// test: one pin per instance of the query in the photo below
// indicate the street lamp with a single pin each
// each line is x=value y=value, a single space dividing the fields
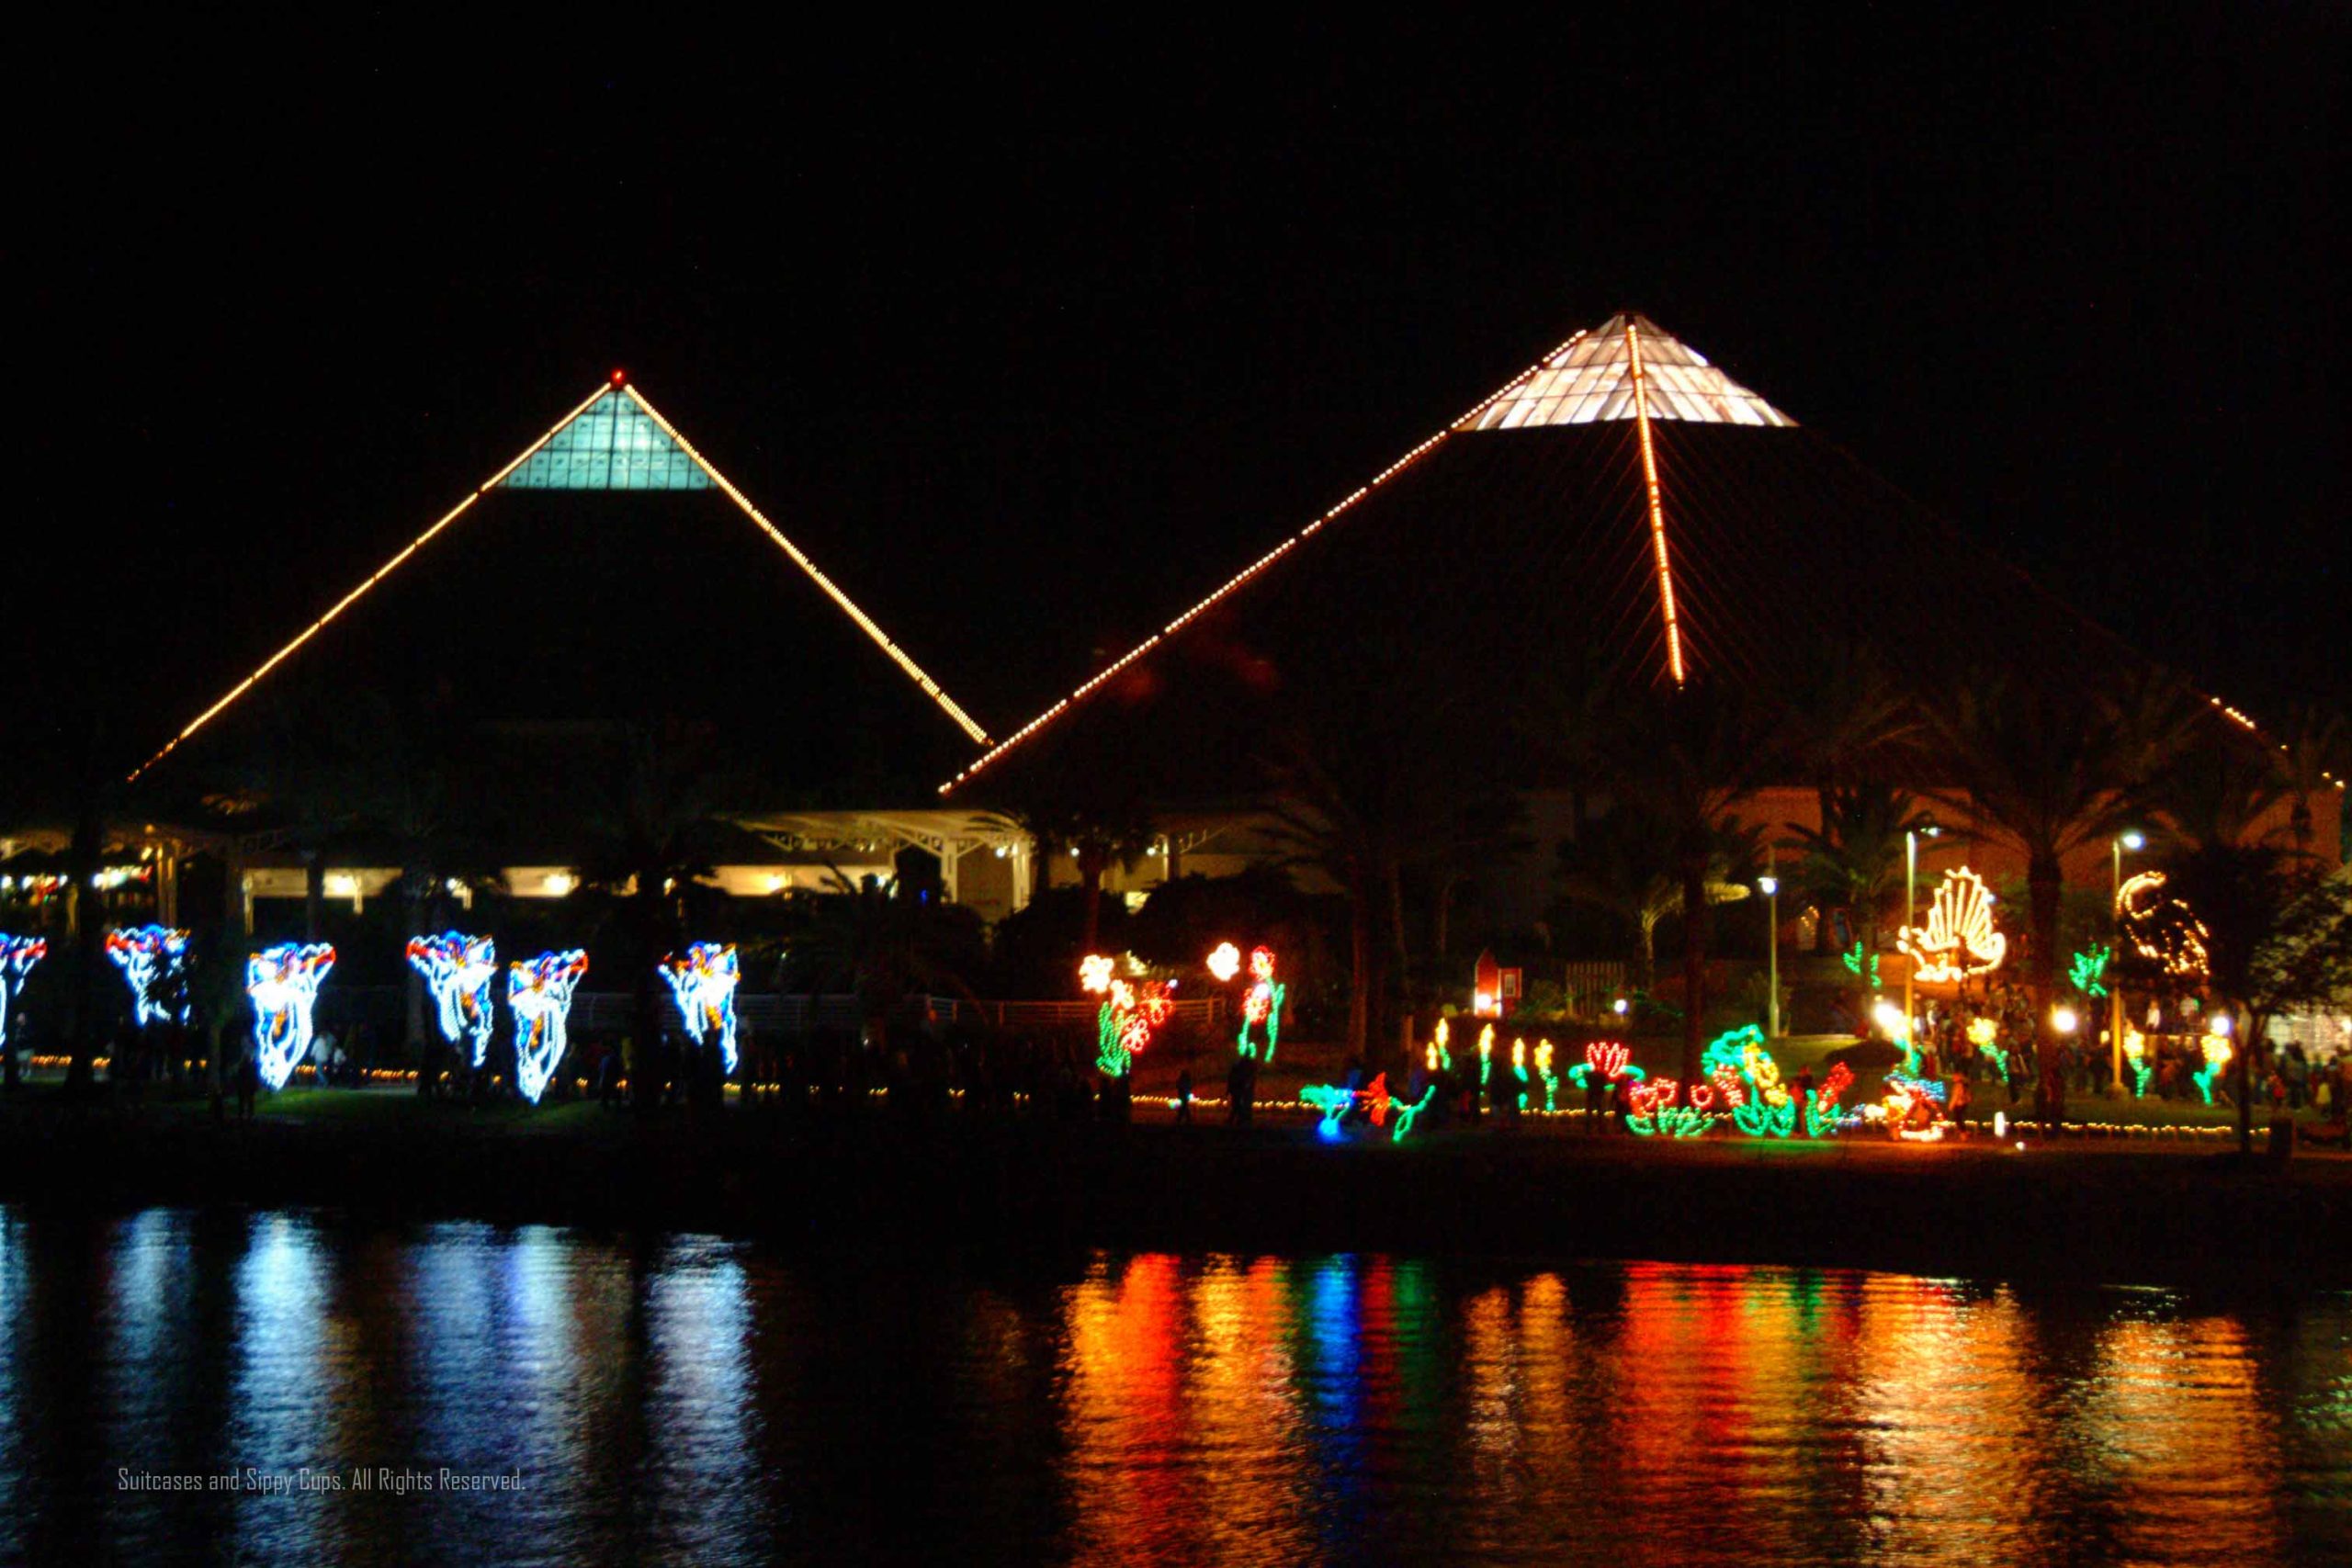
x=1911 y=905
x=2133 y=840
x=1771 y=886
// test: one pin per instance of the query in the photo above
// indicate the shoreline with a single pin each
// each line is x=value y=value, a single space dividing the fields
x=880 y=1180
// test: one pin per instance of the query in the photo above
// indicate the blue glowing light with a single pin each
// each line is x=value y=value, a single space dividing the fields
x=538 y=993
x=18 y=955
x=703 y=982
x=283 y=984
x=1333 y=1100
x=153 y=961
x=457 y=971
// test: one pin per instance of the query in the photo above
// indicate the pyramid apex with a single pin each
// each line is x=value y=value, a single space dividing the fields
x=1590 y=380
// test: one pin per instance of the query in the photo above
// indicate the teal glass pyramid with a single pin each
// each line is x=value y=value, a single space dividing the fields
x=615 y=445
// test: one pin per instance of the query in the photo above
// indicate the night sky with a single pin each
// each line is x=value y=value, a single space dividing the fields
x=1030 y=339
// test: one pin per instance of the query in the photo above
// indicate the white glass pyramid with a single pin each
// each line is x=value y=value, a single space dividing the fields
x=1591 y=380
x=615 y=445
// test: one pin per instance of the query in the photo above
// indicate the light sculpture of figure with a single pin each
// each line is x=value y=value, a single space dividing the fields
x=538 y=993
x=153 y=961
x=283 y=983
x=18 y=955
x=457 y=971
x=1915 y=1106
x=1262 y=1004
x=1958 y=941
x=703 y=980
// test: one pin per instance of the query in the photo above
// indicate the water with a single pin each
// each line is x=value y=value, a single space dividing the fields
x=689 y=1399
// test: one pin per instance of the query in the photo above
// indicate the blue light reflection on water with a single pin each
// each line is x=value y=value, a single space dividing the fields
x=693 y=1400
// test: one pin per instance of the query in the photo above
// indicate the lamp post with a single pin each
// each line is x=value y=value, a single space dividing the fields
x=1911 y=909
x=2130 y=839
x=1771 y=886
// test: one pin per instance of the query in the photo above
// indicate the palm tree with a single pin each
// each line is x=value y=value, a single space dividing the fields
x=1623 y=865
x=2047 y=767
x=1852 y=859
x=652 y=834
x=1845 y=715
x=883 y=945
x=2317 y=752
x=1686 y=758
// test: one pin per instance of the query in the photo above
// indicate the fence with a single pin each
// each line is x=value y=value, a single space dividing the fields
x=385 y=1009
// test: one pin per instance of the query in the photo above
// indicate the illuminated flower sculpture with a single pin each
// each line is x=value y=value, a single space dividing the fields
x=539 y=995
x=2217 y=1051
x=1374 y=1099
x=2088 y=972
x=1748 y=1082
x=2135 y=1051
x=1653 y=1110
x=1958 y=941
x=18 y=955
x=1128 y=1016
x=1823 y=1115
x=703 y=980
x=457 y=971
x=2162 y=928
x=283 y=984
x=1606 y=1059
x=153 y=961
x=1225 y=962
x=1262 y=1004
x=1435 y=1054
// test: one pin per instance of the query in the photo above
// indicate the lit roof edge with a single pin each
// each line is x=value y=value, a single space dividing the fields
x=1095 y=682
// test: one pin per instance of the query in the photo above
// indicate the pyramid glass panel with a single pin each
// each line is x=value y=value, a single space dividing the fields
x=1591 y=380
x=615 y=445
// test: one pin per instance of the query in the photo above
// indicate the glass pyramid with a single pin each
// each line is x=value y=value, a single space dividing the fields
x=615 y=445
x=1591 y=380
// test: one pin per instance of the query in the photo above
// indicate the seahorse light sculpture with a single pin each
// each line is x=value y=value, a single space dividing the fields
x=2162 y=926
x=1959 y=941
x=153 y=961
x=457 y=971
x=283 y=984
x=18 y=955
x=703 y=981
x=538 y=993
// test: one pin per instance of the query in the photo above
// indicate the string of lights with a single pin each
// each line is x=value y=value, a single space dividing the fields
x=1250 y=572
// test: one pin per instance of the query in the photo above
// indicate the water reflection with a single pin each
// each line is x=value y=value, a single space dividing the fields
x=692 y=1400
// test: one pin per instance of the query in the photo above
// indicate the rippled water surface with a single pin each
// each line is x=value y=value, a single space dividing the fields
x=696 y=1400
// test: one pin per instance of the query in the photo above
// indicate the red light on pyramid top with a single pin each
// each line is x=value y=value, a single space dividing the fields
x=620 y=377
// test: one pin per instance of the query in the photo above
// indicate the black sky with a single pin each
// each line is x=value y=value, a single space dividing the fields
x=1032 y=339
